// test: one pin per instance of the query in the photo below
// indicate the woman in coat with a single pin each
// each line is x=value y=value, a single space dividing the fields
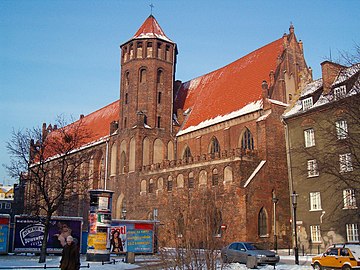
x=70 y=259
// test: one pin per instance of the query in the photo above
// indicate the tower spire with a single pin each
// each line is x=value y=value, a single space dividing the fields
x=151 y=9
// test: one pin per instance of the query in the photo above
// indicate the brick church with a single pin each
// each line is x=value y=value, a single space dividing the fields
x=208 y=155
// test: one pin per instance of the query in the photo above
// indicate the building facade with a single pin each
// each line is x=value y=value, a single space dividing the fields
x=207 y=154
x=323 y=131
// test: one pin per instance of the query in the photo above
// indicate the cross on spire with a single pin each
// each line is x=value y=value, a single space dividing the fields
x=151 y=8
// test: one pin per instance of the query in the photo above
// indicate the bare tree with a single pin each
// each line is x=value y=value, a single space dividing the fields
x=195 y=233
x=52 y=167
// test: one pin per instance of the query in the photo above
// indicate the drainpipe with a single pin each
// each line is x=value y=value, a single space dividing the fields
x=106 y=162
x=321 y=217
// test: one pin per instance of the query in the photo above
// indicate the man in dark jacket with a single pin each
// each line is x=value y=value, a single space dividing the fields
x=70 y=259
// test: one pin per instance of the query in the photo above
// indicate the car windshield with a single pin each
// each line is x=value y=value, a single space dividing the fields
x=250 y=246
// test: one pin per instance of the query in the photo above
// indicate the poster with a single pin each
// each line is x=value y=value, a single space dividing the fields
x=4 y=233
x=29 y=233
x=137 y=237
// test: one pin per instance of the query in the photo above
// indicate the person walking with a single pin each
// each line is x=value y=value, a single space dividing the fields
x=70 y=259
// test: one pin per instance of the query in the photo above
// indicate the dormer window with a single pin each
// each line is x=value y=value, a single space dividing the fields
x=339 y=92
x=307 y=103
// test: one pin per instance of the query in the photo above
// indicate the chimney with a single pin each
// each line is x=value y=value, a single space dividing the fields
x=329 y=72
x=81 y=116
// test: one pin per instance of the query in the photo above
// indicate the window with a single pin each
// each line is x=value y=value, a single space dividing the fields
x=339 y=92
x=345 y=162
x=149 y=49
x=151 y=186
x=159 y=98
x=315 y=201
x=139 y=50
x=247 y=141
x=187 y=152
x=126 y=98
x=341 y=129
x=169 y=184
x=349 y=198
x=159 y=77
x=214 y=146
x=167 y=53
x=159 y=53
x=262 y=220
x=191 y=180
x=309 y=137
x=352 y=232
x=312 y=168
x=158 y=121
x=315 y=233
x=215 y=177
x=307 y=103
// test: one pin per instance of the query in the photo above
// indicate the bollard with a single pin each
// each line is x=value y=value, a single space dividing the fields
x=130 y=257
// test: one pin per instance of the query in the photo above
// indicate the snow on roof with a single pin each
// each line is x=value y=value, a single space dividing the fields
x=312 y=87
x=151 y=29
x=249 y=108
x=228 y=89
x=347 y=73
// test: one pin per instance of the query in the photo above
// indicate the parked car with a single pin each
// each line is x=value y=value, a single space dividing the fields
x=340 y=256
x=240 y=251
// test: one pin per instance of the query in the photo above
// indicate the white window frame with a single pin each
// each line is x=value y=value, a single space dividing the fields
x=315 y=201
x=349 y=198
x=312 y=168
x=315 y=233
x=352 y=233
x=345 y=163
x=341 y=129
x=309 y=136
x=307 y=103
x=340 y=92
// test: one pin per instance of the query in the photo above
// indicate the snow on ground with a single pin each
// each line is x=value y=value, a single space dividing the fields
x=141 y=262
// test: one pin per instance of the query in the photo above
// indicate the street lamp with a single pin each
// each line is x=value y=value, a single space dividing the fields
x=275 y=200
x=294 y=203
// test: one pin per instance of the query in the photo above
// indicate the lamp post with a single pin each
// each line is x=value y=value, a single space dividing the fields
x=275 y=200
x=294 y=203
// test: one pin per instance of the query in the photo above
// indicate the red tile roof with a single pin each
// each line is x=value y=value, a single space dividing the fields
x=93 y=127
x=229 y=88
x=151 y=29
x=98 y=123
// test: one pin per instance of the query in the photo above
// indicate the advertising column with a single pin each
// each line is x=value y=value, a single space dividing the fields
x=99 y=225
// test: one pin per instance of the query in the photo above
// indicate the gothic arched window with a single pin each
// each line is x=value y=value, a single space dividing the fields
x=187 y=152
x=214 y=146
x=247 y=140
x=262 y=222
x=159 y=78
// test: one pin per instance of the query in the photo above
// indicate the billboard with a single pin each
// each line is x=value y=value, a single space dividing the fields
x=29 y=233
x=132 y=236
x=4 y=233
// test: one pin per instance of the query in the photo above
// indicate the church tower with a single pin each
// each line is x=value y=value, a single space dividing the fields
x=147 y=74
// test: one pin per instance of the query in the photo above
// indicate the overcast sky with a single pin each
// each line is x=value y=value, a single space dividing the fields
x=62 y=57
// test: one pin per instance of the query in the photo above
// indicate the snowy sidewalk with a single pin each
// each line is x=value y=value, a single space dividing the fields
x=27 y=262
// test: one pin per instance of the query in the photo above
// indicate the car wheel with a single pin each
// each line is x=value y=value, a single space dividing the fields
x=317 y=266
x=346 y=267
